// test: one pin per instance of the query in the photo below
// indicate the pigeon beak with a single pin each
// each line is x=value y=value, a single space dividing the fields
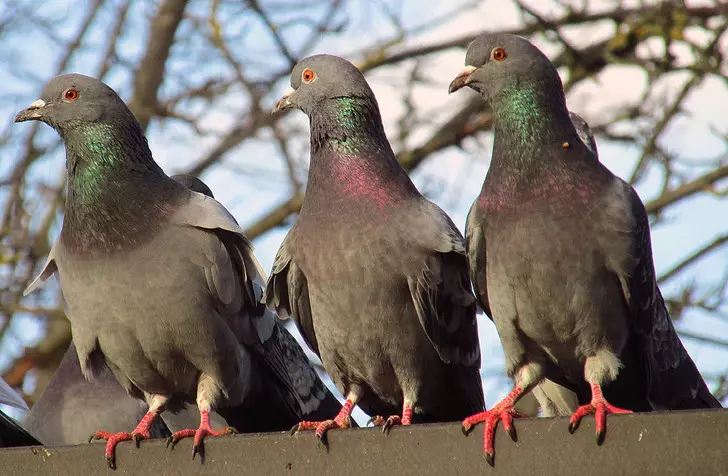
x=284 y=102
x=461 y=80
x=32 y=112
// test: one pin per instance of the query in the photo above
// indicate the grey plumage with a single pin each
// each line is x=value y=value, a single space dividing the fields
x=71 y=407
x=555 y=399
x=9 y=397
x=11 y=432
x=173 y=273
x=585 y=133
x=374 y=275
x=561 y=255
x=195 y=184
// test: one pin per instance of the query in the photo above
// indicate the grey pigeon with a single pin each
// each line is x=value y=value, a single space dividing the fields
x=160 y=283
x=11 y=433
x=374 y=275
x=555 y=399
x=560 y=255
x=72 y=407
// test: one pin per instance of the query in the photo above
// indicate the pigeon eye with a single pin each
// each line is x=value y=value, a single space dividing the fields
x=70 y=94
x=308 y=75
x=498 y=54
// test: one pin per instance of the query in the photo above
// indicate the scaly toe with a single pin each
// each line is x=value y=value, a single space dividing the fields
x=137 y=438
x=375 y=421
x=391 y=421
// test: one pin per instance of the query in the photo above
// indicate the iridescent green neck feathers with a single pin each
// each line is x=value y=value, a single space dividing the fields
x=522 y=113
x=93 y=154
x=348 y=126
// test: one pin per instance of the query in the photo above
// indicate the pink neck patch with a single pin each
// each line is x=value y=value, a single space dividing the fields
x=549 y=189
x=362 y=183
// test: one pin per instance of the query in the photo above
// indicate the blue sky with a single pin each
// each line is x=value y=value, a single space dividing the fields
x=252 y=178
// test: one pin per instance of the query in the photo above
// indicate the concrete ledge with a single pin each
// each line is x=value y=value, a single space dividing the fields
x=691 y=443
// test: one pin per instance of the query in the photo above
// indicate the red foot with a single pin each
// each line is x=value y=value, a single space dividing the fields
x=342 y=420
x=393 y=420
x=321 y=427
x=504 y=412
x=599 y=406
x=141 y=432
x=204 y=430
x=386 y=423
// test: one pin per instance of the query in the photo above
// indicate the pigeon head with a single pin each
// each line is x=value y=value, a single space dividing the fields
x=71 y=100
x=499 y=62
x=103 y=139
x=317 y=79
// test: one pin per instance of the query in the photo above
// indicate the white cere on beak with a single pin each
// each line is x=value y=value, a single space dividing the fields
x=288 y=93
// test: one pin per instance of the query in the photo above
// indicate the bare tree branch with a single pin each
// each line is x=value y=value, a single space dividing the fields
x=150 y=74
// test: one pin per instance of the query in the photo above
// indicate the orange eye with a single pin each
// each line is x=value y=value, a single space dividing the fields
x=308 y=76
x=498 y=54
x=70 y=94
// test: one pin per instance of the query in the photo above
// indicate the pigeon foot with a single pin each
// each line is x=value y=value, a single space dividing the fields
x=342 y=420
x=321 y=427
x=503 y=412
x=599 y=407
x=141 y=432
x=393 y=420
x=200 y=433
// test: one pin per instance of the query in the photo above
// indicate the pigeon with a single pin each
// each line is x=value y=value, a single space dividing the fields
x=555 y=399
x=560 y=255
x=71 y=407
x=11 y=433
x=160 y=284
x=373 y=274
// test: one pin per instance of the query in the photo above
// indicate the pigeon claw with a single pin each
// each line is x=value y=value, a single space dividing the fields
x=138 y=437
x=199 y=434
x=599 y=407
x=321 y=427
x=511 y=430
x=141 y=432
x=503 y=412
x=375 y=420
x=112 y=439
x=387 y=423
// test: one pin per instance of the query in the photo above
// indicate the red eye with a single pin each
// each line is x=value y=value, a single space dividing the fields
x=308 y=76
x=498 y=54
x=70 y=94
